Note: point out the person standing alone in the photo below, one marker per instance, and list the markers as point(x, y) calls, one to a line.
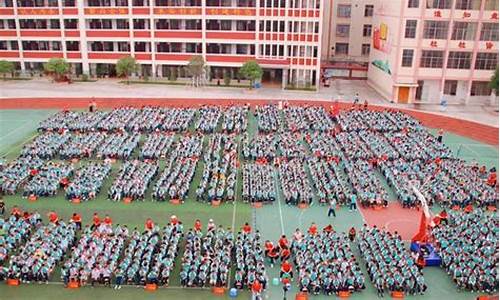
point(331, 208)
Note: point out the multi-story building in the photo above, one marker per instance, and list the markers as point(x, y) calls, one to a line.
point(434, 50)
point(163, 35)
point(347, 30)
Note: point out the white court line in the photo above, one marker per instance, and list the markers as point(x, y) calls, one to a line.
point(26, 123)
point(279, 201)
point(22, 143)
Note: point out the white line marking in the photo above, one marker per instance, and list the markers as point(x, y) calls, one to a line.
point(278, 194)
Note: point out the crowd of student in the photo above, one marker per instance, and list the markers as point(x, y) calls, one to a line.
point(45, 249)
point(468, 246)
point(118, 145)
point(117, 119)
point(367, 186)
point(389, 262)
point(148, 119)
point(235, 119)
point(258, 183)
point(82, 145)
point(46, 180)
point(46, 145)
point(290, 145)
point(176, 179)
point(330, 182)
point(95, 256)
point(323, 145)
point(325, 262)
point(268, 118)
point(207, 258)
point(18, 171)
point(260, 146)
point(88, 181)
point(178, 119)
point(208, 120)
point(133, 180)
point(218, 180)
point(15, 230)
point(294, 182)
point(157, 145)
point(249, 260)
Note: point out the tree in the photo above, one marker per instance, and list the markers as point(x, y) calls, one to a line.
point(57, 67)
point(126, 66)
point(494, 82)
point(251, 71)
point(6, 67)
point(196, 69)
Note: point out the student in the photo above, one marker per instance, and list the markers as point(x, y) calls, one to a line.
point(96, 222)
point(2, 207)
point(77, 219)
point(256, 290)
point(331, 207)
point(352, 206)
point(440, 135)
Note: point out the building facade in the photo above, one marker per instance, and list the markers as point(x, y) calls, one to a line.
point(283, 36)
point(347, 28)
point(434, 50)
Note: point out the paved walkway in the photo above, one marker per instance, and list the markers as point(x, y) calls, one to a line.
point(342, 90)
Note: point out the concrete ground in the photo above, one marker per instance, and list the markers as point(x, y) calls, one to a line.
point(343, 90)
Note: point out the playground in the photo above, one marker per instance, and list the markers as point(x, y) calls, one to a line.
point(19, 119)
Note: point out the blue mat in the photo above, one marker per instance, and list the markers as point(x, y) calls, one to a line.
point(431, 260)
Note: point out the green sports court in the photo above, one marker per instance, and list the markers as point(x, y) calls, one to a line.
point(18, 127)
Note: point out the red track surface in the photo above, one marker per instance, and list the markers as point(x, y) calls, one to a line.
point(473, 130)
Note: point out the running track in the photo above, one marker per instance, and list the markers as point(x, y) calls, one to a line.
point(483, 133)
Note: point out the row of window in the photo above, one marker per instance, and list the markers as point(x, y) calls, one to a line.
point(144, 3)
point(460, 30)
point(167, 24)
point(343, 30)
point(459, 4)
point(456, 60)
point(478, 88)
point(343, 49)
point(344, 10)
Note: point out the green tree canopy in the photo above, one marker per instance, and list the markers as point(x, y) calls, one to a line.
point(125, 66)
point(196, 69)
point(494, 81)
point(57, 67)
point(6, 67)
point(252, 71)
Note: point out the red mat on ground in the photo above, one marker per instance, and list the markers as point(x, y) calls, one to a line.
point(394, 218)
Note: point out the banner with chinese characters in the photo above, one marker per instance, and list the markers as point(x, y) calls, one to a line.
point(231, 11)
point(37, 12)
point(177, 11)
point(106, 11)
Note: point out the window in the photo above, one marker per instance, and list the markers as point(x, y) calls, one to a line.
point(341, 48)
point(367, 30)
point(450, 87)
point(486, 61)
point(70, 23)
point(464, 31)
point(436, 30)
point(365, 49)
point(368, 10)
point(480, 88)
point(411, 29)
point(489, 32)
point(413, 3)
point(343, 30)
point(431, 59)
point(468, 4)
point(407, 60)
point(439, 4)
point(344, 11)
point(491, 5)
point(459, 60)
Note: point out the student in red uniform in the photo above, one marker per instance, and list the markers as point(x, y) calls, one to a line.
point(108, 221)
point(256, 289)
point(286, 268)
point(53, 218)
point(149, 225)
point(197, 225)
point(16, 212)
point(313, 229)
point(77, 219)
point(174, 220)
point(352, 234)
point(283, 242)
point(96, 222)
point(247, 228)
point(285, 254)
